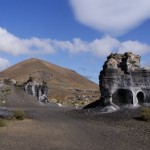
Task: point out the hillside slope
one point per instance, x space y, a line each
53 74
65 85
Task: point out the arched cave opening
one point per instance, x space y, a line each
140 97
122 97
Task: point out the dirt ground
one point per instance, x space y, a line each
63 128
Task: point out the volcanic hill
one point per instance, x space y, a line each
63 83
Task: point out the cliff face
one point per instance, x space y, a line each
123 81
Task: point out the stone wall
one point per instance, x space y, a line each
123 81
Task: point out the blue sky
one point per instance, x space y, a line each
77 34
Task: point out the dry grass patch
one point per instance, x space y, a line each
2 123
146 114
19 115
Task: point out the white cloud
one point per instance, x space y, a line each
135 47
114 17
4 63
74 46
102 47
13 45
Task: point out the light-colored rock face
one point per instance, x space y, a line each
36 89
123 81
124 62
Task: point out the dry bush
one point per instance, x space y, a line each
2 123
19 115
146 114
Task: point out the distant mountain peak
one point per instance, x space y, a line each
55 75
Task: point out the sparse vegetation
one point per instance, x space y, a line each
19 115
6 90
146 114
2 123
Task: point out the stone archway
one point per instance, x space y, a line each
122 97
140 97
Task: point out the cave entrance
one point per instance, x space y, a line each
122 97
140 97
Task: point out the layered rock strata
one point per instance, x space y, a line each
123 81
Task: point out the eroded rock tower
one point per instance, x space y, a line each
123 81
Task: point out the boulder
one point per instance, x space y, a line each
6 114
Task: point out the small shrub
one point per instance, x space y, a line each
19 115
2 123
146 114
6 90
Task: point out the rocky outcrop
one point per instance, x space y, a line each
5 113
39 90
123 81
9 81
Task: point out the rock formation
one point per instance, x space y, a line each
123 81
5 113
36 89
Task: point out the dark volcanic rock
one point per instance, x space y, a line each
123 81
95 104
4 113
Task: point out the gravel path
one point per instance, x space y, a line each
54 128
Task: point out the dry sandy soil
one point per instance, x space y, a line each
63 128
